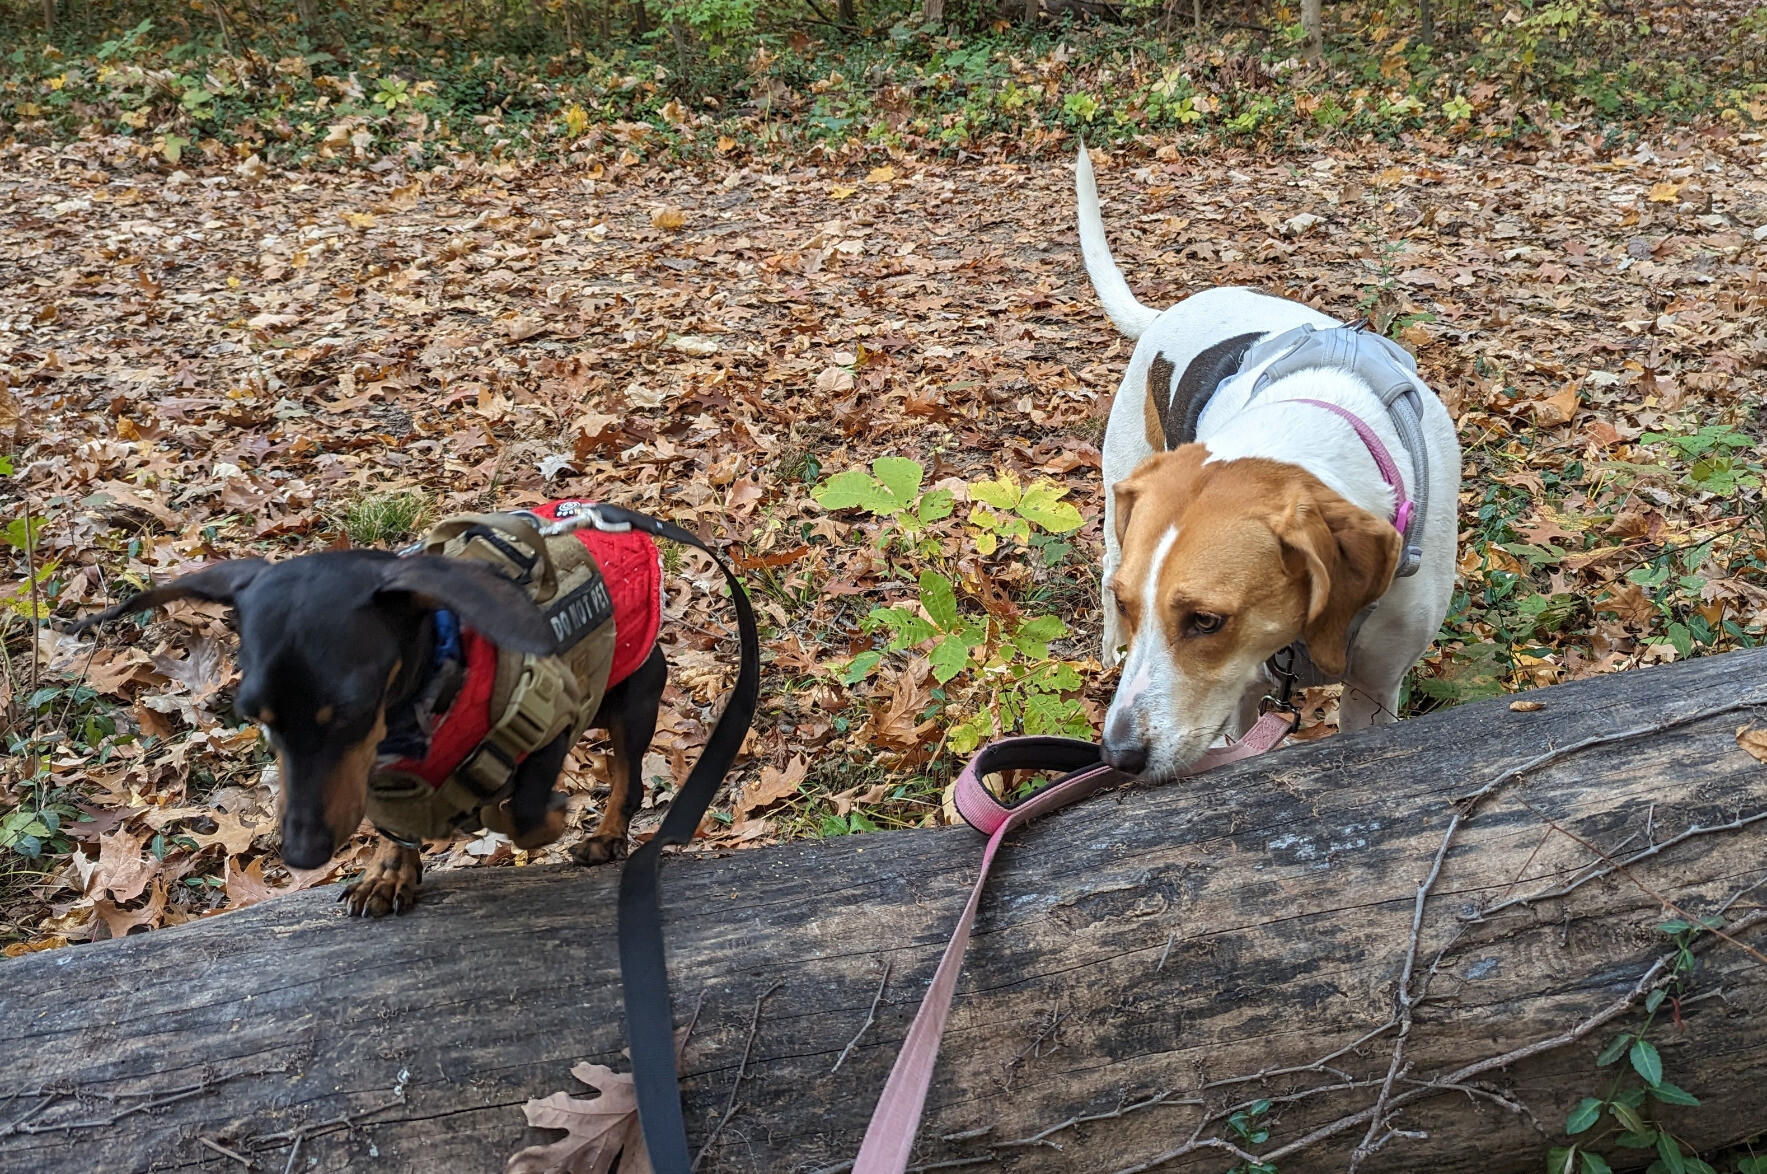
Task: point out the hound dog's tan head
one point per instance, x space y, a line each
1224 563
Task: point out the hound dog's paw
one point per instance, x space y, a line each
600 849
388 885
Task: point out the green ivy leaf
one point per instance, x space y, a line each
939 599
1670 1095
1033 636
1654 1000
949 658
1595 1164
1560 1159
1752 1166
1647 1063
1636 1141
1587 1113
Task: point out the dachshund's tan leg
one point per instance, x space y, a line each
629 715
389 884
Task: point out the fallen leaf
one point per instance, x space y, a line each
1753 740
1560 408
1526 706
123 868
668 219
598 1131
1664 193
246 886
882 174
121 921
231 832
774 786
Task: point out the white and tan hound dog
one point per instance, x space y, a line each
1282 489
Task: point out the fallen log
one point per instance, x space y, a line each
1146 964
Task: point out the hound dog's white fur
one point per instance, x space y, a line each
1274 526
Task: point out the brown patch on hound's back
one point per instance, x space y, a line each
1159 396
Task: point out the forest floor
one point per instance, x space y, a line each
246 361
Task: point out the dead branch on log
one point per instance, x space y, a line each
870 1019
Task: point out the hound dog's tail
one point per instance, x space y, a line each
1130 316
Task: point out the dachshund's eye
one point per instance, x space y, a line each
1204 623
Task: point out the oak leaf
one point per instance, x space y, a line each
598 1131
774 786
246 886
122 867
668 219
1753 740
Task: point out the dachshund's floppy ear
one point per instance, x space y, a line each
218 583
483 599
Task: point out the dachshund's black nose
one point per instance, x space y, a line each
305 845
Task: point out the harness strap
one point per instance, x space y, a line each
644 975
890 1138
1383 460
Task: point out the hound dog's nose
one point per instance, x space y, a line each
1124 749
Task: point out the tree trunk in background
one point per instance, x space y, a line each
1196 16
308 13
847 13
49 16
1032 7
1313 24
640 18
1426 17
933 11
1158 947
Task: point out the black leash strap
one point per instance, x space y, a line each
650 1021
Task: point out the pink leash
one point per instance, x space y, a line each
890 1137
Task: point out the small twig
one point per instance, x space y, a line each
1167 952
741 1071
870 1019
1319 1065
1612 865
27 1126
1644 888
1041 1137
227 1153
293 1152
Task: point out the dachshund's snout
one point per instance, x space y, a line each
306 843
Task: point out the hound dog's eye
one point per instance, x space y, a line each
1204 623
1122 608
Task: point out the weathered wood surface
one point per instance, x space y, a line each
1145 942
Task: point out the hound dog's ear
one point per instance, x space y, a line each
219 583
484 600
1350 558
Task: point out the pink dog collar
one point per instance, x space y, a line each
1383 460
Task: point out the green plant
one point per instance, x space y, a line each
377 518
997 667
1634 1124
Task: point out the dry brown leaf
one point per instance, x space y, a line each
668 219
1526 706
1753 740
121 921
1631 604
1559 409
123 868
774 786
598 1131
233 834
247 886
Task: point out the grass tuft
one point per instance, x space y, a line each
376 519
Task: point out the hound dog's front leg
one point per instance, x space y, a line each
628 714
389 884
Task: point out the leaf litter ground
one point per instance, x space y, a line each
218 363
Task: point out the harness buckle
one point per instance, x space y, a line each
1282 665
587 515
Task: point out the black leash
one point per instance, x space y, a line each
650 1021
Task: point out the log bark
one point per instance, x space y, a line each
1141 959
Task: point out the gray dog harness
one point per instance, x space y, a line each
1392 375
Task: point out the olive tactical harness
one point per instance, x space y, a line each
593 570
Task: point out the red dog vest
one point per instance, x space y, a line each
630 586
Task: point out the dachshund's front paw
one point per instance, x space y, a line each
388 885
600 849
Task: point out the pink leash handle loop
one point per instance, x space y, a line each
889 1139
